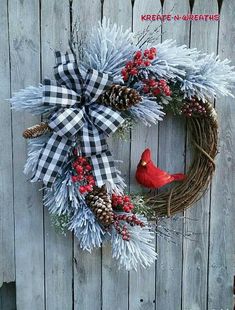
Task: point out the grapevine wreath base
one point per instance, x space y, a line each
204 138
104 87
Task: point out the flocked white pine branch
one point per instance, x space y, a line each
108 48
30 100
139 251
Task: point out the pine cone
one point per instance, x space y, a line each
36 131
120 97
100 203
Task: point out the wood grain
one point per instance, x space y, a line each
7 259
55 33
197 219
25 70
222 237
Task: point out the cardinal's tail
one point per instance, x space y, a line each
178 176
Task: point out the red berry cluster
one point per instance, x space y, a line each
194 108
140 60
155 88
82 174
122 203
122 229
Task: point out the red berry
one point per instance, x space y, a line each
92 182
138 62
138 55
147 63
119 201
151 56
89 188
156 91
124 72
74 178
162 82
131 206
125 77
145 89
75 152
152 83
153 50
168 93
146 53
129 65
133 71
79 169
126 199
80 177
82 189
88 167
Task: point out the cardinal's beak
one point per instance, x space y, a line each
143 163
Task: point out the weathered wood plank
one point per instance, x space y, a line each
114 281
171 158
7 261
25 64
196 252
142 283
222 237
55 32
87 266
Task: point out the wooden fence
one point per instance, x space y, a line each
49 271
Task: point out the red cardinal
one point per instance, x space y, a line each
148 175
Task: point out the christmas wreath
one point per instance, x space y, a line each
103 87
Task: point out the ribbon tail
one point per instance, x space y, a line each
94 146
51 159
105 172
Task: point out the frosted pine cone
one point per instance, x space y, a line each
36 131
100 203
120 97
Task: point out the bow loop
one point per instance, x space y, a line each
67 73
59 96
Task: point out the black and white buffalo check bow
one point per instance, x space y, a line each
78 115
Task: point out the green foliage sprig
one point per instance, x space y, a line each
60 222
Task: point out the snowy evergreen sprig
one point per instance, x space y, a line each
172 61
108 48
138 251
30 100
148 111
211 77
63 196
86 228
34 149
